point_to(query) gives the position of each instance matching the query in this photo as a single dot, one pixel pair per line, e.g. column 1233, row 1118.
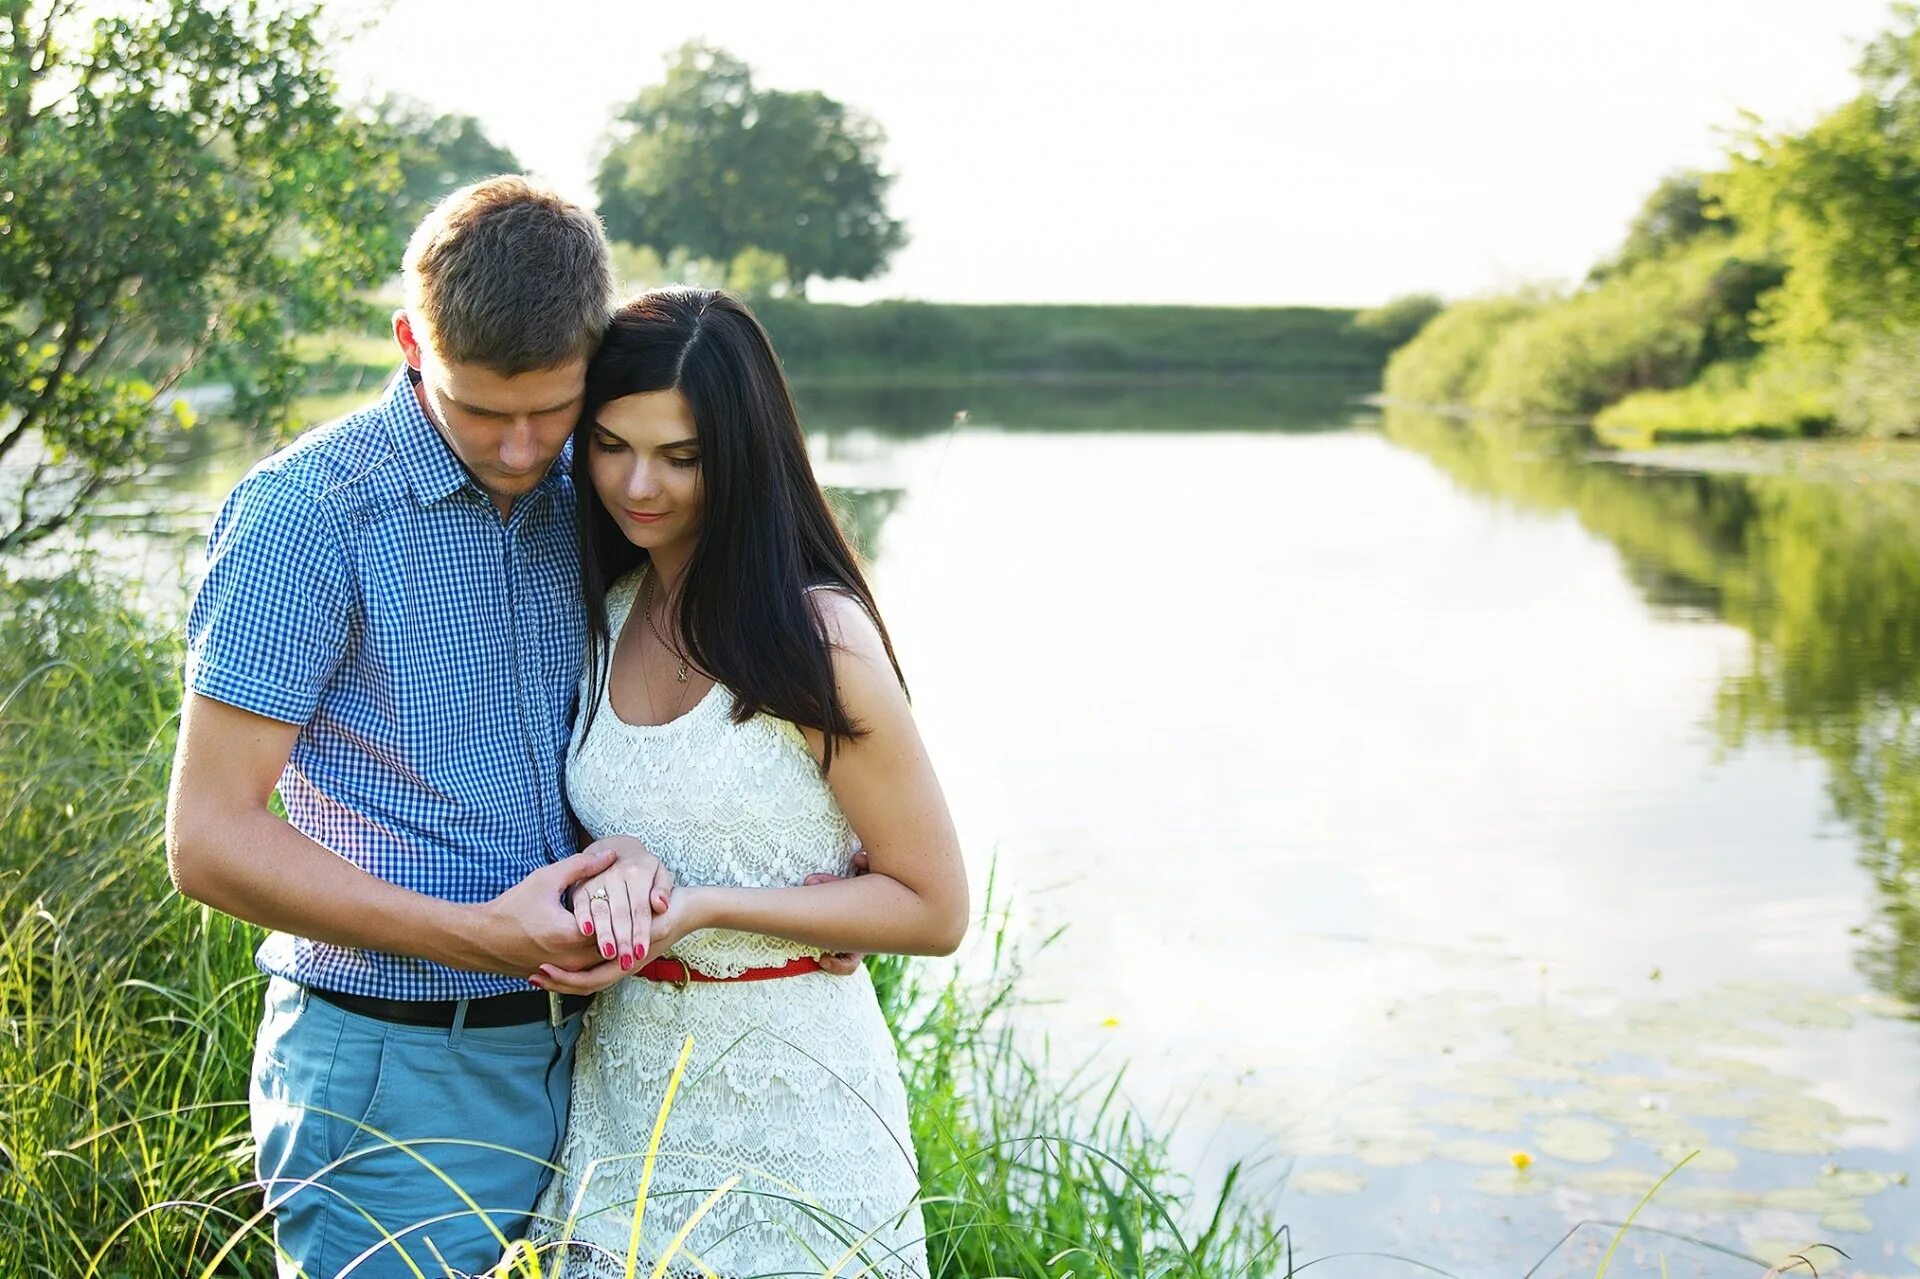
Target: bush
column 1398, row 322
column 1652, row 327
column 1879, row 392
column 1779, row 394
column 1444, row 366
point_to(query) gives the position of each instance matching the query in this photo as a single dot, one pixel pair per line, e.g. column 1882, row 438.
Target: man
column 389, row 634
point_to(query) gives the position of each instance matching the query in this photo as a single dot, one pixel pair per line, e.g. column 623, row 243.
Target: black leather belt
column 515, row 1008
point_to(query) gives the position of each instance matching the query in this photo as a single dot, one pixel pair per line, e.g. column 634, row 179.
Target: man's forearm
column 257, row 868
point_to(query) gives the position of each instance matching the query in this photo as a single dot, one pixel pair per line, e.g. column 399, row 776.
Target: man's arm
column 225, row 848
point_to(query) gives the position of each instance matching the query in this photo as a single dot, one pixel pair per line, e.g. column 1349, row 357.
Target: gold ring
column 599, row 894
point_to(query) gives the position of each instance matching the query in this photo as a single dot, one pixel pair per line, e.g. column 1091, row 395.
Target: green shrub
column 1879, row 391
column 1780, row 394
column 1444, row 365
column 1651, row 327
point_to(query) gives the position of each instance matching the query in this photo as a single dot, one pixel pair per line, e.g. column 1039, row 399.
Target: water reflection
column 908, row 409
column 1825, row 579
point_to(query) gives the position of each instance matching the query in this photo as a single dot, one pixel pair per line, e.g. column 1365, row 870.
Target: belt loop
column 556, row 1015
column 459, row 1023
column 300, row 1002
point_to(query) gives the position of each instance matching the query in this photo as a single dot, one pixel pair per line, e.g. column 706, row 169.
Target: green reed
column 129, row 1014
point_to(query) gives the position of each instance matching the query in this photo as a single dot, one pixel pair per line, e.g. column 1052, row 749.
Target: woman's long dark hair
column 767, row 533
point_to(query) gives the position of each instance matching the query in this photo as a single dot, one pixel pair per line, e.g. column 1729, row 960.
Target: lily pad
column 1476, row 1115
column 1857, row 1181
column 1578, row 1141
column 1476, row 1153
column 1614, row 1181
column 1782, row 1142
column 1709, row 1198
column 1852, row 1223
column 1705, row 1158
column 1808, row 1199
column 1391, row 1153
column 1327, row 1181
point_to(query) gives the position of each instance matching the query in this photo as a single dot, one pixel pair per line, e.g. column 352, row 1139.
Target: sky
column 1203, row 152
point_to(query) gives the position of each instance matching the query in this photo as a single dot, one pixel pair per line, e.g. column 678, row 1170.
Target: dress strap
column 620, row 600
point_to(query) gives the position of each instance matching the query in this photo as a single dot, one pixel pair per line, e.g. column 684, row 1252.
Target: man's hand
column 844, row 963
column 528, row 925
column 616, row 906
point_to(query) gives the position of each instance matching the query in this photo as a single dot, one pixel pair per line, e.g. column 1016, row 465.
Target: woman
column 743, row 717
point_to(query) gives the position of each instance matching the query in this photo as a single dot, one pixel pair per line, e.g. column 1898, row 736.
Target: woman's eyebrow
column 677, row 444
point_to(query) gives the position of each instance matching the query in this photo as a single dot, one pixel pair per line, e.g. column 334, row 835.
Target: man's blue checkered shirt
column 360, row 584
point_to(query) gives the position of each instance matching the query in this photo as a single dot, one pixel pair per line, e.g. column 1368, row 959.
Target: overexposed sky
column 1203, row 151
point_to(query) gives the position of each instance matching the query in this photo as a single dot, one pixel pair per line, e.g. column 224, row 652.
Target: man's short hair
column 508, row 275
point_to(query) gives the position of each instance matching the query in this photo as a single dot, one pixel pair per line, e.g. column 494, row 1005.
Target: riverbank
column 1857, row 462
column 925, row 341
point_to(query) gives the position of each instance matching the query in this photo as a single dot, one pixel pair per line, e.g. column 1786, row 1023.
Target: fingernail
column 607, row 950
column 639, row 952
column 626, row 962
column 586, row 927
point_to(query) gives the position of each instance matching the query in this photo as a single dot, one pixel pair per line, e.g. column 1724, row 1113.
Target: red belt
column 680, row 973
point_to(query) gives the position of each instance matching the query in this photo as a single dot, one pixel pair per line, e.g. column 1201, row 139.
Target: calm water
column 1415, row 796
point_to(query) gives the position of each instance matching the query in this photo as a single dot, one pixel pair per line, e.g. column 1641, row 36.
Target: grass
column 129, row 1017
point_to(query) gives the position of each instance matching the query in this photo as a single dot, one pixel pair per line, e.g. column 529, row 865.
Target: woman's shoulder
column 849, row 625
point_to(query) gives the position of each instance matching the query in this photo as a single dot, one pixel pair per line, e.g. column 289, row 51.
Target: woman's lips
column 645, row 517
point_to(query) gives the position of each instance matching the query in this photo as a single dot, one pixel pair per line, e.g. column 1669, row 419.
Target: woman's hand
column 617, row 906
column 683, row 915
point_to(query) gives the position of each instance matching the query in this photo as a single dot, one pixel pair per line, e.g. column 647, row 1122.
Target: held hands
column 673, row 915
column 683, row 915
column 616, row 907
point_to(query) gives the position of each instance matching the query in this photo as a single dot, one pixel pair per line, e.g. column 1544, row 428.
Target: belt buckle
column 686, row 973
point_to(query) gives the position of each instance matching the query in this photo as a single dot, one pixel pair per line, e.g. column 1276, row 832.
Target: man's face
column 506, row 431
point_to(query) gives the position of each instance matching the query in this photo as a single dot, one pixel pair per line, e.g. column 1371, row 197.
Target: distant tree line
column 1776, row 294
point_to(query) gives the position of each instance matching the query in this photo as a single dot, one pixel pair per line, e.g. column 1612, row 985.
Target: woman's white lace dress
column 793, row 1084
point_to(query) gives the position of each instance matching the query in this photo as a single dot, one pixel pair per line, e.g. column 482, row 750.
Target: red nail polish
column 586, row 927
column 626, row 962
column 607, row 950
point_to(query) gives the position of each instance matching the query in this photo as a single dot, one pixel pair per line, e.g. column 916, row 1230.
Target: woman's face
column 643, row 454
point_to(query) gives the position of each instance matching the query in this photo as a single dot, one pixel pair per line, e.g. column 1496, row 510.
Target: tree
column 435, row 154
column 709, row 163
column 1839, row 205
column 1399, row 321
column 1678, row 212
column 179, row 193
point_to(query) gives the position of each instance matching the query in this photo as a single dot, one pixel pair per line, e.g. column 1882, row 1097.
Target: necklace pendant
column 681, row 674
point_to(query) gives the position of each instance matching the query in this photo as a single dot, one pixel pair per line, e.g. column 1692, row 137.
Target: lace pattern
column 793, row 1085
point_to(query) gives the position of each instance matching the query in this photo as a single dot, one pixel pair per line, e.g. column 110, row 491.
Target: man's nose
column 519, row 446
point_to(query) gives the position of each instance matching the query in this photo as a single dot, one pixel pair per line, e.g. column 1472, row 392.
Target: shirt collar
column 433, row 472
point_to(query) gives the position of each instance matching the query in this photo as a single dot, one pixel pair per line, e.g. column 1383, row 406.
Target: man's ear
column 409, row 342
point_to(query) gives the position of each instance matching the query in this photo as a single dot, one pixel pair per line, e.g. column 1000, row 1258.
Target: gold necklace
column 680, row 675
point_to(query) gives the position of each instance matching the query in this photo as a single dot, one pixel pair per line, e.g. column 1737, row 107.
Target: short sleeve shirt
column 361, row 585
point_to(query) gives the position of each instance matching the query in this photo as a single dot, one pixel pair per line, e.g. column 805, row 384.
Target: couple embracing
column 590, row 738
